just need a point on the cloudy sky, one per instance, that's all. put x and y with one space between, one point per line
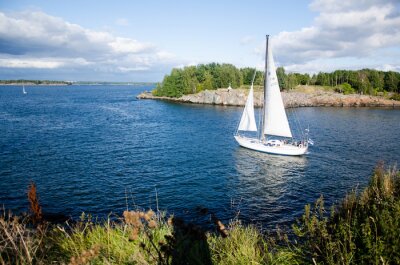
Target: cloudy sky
124 40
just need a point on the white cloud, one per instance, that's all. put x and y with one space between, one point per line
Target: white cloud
334 6
390 67
41 63
124 45
30 63
132 69
39 41
348 29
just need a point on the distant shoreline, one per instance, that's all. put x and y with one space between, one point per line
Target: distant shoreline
32 84
291 99
79 84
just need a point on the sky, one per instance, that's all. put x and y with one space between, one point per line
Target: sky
141 41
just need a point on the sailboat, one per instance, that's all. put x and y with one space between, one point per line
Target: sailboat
23 90
274 135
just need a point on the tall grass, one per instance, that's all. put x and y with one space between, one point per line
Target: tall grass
20 243
363 229
23 238
134 239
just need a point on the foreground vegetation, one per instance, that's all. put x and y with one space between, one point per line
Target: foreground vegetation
363 229
193 79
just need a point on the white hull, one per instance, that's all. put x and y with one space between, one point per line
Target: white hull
279 149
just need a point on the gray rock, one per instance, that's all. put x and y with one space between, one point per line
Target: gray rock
237 97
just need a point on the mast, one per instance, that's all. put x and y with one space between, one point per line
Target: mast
262 136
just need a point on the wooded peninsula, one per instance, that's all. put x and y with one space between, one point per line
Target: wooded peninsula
194 79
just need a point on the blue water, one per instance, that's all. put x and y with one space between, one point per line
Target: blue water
98 149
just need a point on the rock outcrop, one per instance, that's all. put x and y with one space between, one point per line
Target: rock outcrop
237 97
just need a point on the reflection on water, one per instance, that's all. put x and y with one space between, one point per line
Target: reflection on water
249 162
269 181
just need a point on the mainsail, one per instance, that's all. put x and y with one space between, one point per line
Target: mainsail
276 122
248 121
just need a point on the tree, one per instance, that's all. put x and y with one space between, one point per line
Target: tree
200 72
208 81
189 80
322 79
347 89
391 81
247 75
291 81
280 72
172 85
313 79
376 80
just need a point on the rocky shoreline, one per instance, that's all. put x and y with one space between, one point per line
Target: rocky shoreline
291 99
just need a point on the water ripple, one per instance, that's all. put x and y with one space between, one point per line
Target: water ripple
95 148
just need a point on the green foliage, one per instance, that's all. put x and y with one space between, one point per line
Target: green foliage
135 240
280 72
365 229
242 246
365 81
193 79
391 81
346 89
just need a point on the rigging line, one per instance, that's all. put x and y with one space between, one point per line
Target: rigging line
238 124
298 122
260 109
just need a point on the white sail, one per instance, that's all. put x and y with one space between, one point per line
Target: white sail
248 121
276 122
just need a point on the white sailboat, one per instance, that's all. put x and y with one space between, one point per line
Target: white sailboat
274 135
23 90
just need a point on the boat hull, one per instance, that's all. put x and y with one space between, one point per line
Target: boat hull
283 149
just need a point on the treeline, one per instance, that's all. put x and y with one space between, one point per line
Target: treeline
34 82
193 79
365 81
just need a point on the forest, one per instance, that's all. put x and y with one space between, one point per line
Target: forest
193 79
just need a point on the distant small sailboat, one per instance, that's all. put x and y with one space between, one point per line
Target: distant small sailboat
274 122
23 90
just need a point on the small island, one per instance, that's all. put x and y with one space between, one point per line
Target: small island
224 84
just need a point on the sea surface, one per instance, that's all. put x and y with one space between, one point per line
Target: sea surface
99 150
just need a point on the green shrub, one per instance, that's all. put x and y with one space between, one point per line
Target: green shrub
395 96
345 88
364 229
